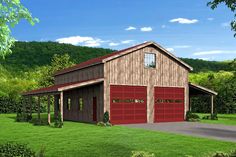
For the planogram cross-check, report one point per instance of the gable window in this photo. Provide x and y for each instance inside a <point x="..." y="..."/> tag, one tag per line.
<point x="150" y="60"/>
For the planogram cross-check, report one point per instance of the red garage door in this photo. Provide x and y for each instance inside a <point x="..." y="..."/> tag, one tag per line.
<point x="128" y="104"/>
<point x="169" y="104"/>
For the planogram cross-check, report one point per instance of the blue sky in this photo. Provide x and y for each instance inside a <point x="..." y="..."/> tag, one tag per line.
<point x="186" y="28"/>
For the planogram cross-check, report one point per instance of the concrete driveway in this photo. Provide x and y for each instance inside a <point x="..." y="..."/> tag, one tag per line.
<point x="215" y="131"/>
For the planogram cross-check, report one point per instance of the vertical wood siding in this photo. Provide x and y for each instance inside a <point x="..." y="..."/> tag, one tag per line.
<point x="80" y="75"/>
<point x="129" y="70"/>
<point x="86" y="93"/>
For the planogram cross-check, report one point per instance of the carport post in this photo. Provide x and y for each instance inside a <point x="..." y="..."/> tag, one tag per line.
<point x="38" y="107"/>
<point x="212" y="104"/>
<point x="49" y="117"/>
<point x="61" y="105"/>
<point x="30" y="101"/>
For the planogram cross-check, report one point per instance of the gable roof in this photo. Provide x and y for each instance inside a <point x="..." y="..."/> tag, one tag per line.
<point x="116" y="54"/>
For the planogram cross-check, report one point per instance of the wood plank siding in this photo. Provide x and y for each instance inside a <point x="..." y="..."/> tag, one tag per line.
<point x="130" y="70"/>
<point x="88" y="73"/>
<point x="85" y="114"/>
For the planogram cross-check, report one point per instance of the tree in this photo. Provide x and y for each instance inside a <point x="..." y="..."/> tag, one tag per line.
<point x="231" y="4"/>
<point x="58" y="62"/>
<point x="11" y="12"/>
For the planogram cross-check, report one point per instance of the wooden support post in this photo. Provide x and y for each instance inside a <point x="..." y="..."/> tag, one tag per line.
<point x="189" y="104"/>
<point x="212" y="104"/>
<point x="30" y="101"/>
<point x="38" y="107"/>
<point x="49" y="116"/>
<point x="61" y="105"/>
<point x="24" y="105"/>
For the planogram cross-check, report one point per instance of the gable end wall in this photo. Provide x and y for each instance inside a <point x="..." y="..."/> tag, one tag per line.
<point x="129" y="70"/>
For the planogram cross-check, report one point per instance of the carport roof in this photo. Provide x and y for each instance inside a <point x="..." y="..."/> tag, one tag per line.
<point x="199" y="90"/>
<point x="54" y="89"/>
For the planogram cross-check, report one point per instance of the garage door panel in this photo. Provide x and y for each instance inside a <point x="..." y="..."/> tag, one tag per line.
<point x="131" y="108"/>
<point x="169" y="104"/>
<point x="129" y="112"/>
<point x="116" y="95"/>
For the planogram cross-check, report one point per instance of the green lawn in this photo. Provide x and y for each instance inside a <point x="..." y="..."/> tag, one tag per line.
<point x="87" y="140"/>
<point x="226" y="119"/>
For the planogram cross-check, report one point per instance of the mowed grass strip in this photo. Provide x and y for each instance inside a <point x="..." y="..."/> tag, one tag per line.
<point x="88" y="140"/>
<point x="226" y="119"/>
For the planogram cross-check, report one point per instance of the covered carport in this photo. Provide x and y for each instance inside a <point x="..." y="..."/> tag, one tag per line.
<point x="198" y="91"/>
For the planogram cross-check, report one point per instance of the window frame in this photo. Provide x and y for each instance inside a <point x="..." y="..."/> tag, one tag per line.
<point x="148" y="66"/>
<point x="81" y="104"/>
<point x="68" y="104"/>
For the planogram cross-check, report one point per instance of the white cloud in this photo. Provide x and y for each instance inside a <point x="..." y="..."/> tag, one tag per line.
<point x="130" y="28"/>
<point x="225" y="24"/>
<point x="83" y="41"/>
<point x="212" y="52"/>
<point x="210" y="19"/>
<point x="170" y="49"/>
<point x="146" y="29"/>
<point x="120" y="43"/>
<point x="114" y="44"/>
<point x="127" y="41"/>
<point x="184" y="21"/>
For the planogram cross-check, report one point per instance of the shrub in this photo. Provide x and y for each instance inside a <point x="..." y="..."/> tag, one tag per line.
<point x="211" y="117"/>
<point x="106" y="117"/>
<point x="58" y="121"/>
<point x="221" y="154"/>
<point x="10" y="105"/>
<point x="101" y="124"/>
<point x="23" y="117"/>
<point x="39" y="122"/>
<point x="192" y="116"/>
<point x="142" y="154"/>
<point x="14" y="149"/>
<point x="104" y="124"/>
<point x="41" y="152"/>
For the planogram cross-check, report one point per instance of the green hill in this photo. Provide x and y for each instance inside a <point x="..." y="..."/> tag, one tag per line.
<point x="28" y="55"/>
<point x="200" y="65"/>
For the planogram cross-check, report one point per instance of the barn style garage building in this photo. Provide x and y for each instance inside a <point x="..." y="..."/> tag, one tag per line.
<point x="141" y="84"/>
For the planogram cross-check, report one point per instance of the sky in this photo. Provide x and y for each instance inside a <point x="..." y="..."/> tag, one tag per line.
<point x="186" y="28"/>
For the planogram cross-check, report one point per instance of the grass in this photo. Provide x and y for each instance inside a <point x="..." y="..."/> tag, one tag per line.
<point x="87" y="140"/>
<point x="226" y="119"/>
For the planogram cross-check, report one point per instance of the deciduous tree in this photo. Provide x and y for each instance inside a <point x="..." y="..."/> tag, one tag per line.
<point x="231" y="4"/>
<point x="11" y="12"/>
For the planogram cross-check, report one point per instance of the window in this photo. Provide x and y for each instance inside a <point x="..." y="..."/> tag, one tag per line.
<point x="68" y="103"/>
<point x="150" y="60"/>
<point x="80" y="104"/>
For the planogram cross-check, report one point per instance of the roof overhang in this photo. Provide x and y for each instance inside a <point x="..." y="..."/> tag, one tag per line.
<point x="196" y="90"/>
<point x="56" y="89"/>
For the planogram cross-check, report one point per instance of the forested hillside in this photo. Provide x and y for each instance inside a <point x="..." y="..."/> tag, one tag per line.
<point x="28" y="55"/>
<point x="31" y="65"/>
